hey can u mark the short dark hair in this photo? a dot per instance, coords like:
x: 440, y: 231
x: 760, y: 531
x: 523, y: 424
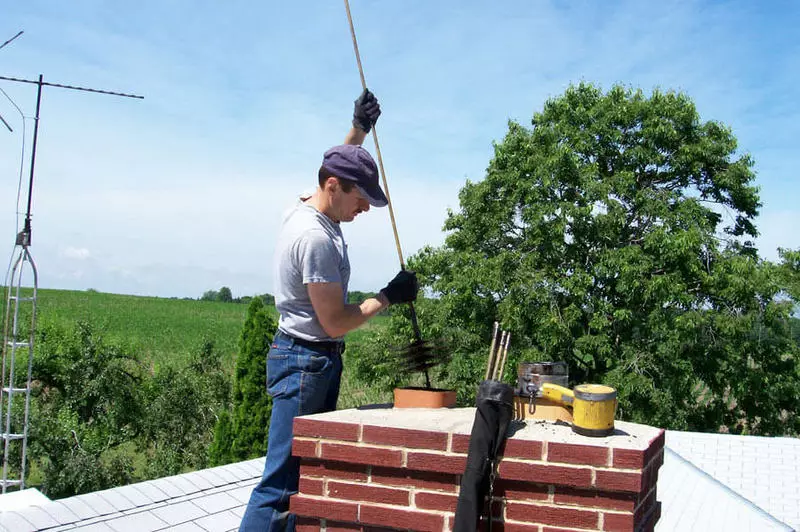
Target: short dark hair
x: 324, y: 174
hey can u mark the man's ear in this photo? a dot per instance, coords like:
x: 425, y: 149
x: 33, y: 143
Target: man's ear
x: 332, y: 184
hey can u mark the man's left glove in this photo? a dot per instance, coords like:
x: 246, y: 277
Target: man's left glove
x: 402, y: 289
x: 366, y: 111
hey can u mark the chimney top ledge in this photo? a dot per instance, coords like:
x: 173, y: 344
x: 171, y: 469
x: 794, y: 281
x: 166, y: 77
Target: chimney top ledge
x: 459, y: 421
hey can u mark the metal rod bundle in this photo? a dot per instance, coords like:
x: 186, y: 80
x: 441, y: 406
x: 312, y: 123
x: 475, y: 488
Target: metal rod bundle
x: 498, y: 353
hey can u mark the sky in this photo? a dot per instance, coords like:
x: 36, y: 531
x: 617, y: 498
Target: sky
x: 183, y: 191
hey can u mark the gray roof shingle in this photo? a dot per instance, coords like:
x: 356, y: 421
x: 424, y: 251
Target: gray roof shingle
x: 764, y: 471
x: 211, y: 499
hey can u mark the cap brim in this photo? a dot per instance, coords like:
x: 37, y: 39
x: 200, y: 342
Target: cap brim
x: 375, y: 196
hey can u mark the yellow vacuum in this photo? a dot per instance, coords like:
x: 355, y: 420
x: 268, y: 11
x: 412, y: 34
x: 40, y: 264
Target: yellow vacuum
x: 542, y: 394
x: 593, y: 406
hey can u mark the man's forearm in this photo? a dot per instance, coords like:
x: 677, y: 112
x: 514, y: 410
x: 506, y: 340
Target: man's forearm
x: 355, y: 136
x: 353, y: 316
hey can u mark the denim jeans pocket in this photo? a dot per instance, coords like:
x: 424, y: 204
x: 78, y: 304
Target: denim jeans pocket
x: 312, y: 363
x: 277, y: 373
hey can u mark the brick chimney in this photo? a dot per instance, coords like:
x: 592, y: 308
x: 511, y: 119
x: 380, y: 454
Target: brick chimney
x: 400, y: 468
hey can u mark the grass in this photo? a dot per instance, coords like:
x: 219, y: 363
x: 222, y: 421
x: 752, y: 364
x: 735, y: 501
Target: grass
x: 158, y: 329
x: 165, y: 330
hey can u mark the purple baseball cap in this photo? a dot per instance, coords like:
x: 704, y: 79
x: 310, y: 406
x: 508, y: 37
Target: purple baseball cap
x: 355, y: 164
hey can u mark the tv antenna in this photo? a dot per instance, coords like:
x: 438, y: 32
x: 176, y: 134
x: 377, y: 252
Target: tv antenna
x: 18, y: 342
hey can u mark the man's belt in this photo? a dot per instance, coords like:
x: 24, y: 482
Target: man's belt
x: 322, y: 345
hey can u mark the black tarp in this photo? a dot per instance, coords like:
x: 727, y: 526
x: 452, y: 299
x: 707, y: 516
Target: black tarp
x: 495, y: 407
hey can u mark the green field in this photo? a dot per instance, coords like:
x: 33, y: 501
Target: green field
x: 158, y: 329
x: 163, y: 330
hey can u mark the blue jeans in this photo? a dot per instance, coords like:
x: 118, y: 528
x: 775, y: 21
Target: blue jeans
x: 301, y: 380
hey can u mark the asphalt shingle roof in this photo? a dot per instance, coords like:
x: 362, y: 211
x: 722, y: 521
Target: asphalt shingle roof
x: 765, y: 471
x: 210, y: 500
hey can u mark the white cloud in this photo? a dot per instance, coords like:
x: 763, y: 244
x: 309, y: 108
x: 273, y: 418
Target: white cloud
x: 75, y: 253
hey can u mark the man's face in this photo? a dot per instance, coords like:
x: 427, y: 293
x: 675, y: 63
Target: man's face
x: 349, y: 204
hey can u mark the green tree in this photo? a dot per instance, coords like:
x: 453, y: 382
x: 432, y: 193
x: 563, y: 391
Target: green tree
x: 243, y: 434
x: 617, y: 234
x: 88, y: 403
x: 210, y: 295
x: 225, y: 295
x: 182, y: 409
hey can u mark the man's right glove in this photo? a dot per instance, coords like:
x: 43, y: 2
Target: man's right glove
x: 402, y: 289
x: 366, y: 111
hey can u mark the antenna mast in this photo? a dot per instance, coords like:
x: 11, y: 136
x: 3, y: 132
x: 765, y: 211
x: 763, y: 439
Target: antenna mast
x: 18, y: 341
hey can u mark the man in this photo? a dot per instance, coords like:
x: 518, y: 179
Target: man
x: 312, y: 271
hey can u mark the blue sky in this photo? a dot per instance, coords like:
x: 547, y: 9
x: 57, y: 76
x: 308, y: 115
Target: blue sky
x: 183, y: 191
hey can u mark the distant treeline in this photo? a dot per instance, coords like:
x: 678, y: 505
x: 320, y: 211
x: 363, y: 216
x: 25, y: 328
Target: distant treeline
x: 224, y: 295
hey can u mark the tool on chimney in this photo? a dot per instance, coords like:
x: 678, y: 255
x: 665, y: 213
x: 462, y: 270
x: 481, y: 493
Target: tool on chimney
x: 542, y: 393
x: 498, y: 353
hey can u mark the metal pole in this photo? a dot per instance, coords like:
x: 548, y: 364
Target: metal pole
x: 27, y: 229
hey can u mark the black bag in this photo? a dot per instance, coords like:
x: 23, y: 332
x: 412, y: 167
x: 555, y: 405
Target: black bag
x: 495, y: 407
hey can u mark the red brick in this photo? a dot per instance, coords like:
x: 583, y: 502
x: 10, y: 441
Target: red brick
x: 410, y: 439
x: 323, y: 508
x: 311, y: 486
x: 333, y: 526
x: 580, y: 477
x: 368, y: 492
x: 648, y: 522
x: 436, y: 462
x: 304, y: 448
x: 527, y: 449
x: 361, y: 455
x: 577, y: 454
x: 517, y: 490
x: 377, y: 529
x: 628, y: 458
x: 315, y: 428
x: 460, y: 443
x: 646, y: 505
x: 427, y: 480
x: 307, y: 524
x: 333, y: 470
x: 552, y: 515
x: 595, y: 499
x: 654, y: 446
x: 618, y: 522
x: 618, y: 481
x: 397, y: 518
x: 500, y: 526
x: 428, y: 500
x: 658, y: 460
x: 657, y: 443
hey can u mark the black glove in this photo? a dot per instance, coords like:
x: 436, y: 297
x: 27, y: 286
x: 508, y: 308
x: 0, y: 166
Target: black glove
x: 402, y: 289
x: 366, y: 111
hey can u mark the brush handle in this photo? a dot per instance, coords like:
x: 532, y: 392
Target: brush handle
x: 380, y: 159
x: 414, y: 324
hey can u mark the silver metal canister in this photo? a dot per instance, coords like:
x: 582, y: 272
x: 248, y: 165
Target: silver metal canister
x: 531, y: 375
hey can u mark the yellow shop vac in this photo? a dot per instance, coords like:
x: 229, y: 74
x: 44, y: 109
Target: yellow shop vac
x: 593, y: 406
x: 542, y: 394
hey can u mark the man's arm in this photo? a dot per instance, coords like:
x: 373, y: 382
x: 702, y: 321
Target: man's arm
x: 355, y: 136
x: 336, y: 317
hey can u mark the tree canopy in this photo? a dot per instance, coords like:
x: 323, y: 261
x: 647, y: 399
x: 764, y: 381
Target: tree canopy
x: 617, y: 234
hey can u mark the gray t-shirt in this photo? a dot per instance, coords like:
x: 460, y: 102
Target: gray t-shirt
x: 310, y: 249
